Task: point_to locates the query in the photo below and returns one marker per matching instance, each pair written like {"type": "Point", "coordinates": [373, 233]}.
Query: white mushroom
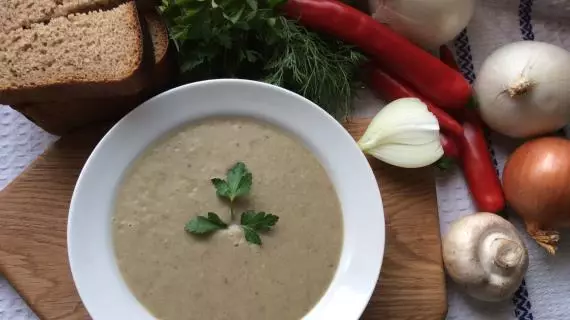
{"type": "Point", "coordinates": [485, 255]}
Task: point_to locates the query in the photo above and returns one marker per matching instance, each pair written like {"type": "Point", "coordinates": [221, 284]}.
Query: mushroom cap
{"type": "Point", "coordinates": [485, 255]}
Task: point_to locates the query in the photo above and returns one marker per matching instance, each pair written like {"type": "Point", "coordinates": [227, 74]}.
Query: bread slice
{"type": "Point", "coordinates": [65, 116]}
{"type": "Point", "coordinates": [15, 14]}
{"type": "Point", "coordinates": [148, 5]}
{"type": "Point", "coordinates": [164, 65]}
{"type": "Point", "coordinates": [83, 55]}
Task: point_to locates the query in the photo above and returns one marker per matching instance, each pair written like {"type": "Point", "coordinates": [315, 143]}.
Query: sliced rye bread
{"type": "Point", "coordinates": [65, 116]}
{"type": "Point", "coordinates": [165, 68]}
{"type": "Point", "coordinates": [15, 14]}
{"type": "Point", "coordinates": [85, 55]}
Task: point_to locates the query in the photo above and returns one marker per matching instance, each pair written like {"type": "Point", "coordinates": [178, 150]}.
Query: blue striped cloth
{"type": "Point", "coordinates": [545, 293]}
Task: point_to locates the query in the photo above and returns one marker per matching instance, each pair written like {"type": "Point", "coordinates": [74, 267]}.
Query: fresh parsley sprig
{"type": "Point", "coordinates": [205, 225]}
{"type": "Point", "coordinates": [252, 40]}
{"type": "Point", "coordinates": [253, 222]}
{"type": "Point", "coordinates": [237, 184]}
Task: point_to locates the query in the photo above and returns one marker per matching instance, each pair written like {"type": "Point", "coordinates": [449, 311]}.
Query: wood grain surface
{"type": "Point", "coordinates": [412, 281]}
{"type": "Point", "coordinates": [33, 216]}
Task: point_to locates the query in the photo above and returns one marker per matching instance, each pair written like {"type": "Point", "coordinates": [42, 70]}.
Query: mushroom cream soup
{"type": "Point", "coordinates": [177, 275]}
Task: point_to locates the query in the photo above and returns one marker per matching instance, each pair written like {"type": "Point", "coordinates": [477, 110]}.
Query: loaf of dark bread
{"type": "Point", "coordinates": [15, 14]}
{"type": "Point", "coordinates": [84, 55]}
{"type": "Point", "coordinates": [60, 117]}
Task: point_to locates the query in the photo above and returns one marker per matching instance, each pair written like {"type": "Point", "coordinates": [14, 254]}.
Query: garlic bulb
{"type": "Point", "coordinates": [404, 134]}
{"type": "Point", "coordinates": [485, 255]}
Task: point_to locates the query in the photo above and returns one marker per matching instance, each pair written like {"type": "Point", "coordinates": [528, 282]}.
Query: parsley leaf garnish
{"type": "Point", "coordinates": [251, 236]}
{"type": "Point", "coordinates": [253, 222]}
{"type": "Point", "coordinates": [259, 221]}
{"type": "Point", "coordinates": [205, 225]}
{"type": "Point", "coordinates": [237, 184]}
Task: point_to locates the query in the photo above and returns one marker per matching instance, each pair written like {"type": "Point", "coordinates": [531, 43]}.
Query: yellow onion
{"type": "Point", "coordinates": [536, 183]}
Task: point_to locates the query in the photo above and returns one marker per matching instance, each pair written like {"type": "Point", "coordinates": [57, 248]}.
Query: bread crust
{"type": "Point", "coordinates": [130, 83]}
{"type": "Point", "coordinates": [61, 117]}
{"type": "Point", "coordinates": [15, 15]}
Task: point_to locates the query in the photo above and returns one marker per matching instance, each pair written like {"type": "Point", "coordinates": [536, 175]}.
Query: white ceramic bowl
{"type": "Point", "coordinates": [89, 241]}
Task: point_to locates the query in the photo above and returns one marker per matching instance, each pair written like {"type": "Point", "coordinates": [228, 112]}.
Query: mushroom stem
{"type": "Point", "coordinates": [485, 255]}
{"type": "Point", "coordinates": [508, 253]}
{"type": "Point", "coordinates": [519, 87]}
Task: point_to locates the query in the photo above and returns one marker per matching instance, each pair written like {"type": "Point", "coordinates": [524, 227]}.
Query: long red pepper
{"type": "Point", "coordinates": [428, 75]}
{"type": "Point", "coordinates": [450, 147]}
{"type": "Point", "coordinates": [478, 169]}
{"type": "Point", "coordinates": [389, 88]}
{"type": "Point", "coordinates": [475, 157]}
{"type": "Point", "coordinates": [446, 56]}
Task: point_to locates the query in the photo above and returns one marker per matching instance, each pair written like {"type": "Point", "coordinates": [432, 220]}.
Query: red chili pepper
{"type": "Point", "coordinates": [389, 88]}
{"type": "Point", "coordinates": [478, 168]}
{"type": "Point", "coordinates": [447, 57]}
{"type": "Point", "coordinates": [433, 79]}
{"type": "Point", "coordinates": [450, 147]}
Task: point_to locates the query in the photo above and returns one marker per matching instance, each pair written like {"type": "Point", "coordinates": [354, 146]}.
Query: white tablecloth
{"type": "Point", "coordinates": [546, 291]}
{"type": "Point", "coordinates": [20, 143]}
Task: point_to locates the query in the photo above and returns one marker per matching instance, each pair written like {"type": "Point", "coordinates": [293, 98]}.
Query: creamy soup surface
{"type": "Point", "coordinates": [179, 276]}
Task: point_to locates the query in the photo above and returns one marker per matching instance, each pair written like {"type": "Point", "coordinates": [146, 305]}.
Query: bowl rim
{"type": "Point", "coordinates": [89, 240]}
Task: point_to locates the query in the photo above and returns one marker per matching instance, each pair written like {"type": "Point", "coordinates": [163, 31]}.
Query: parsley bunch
{"type": "Point", "coordinates": [237, 184]}
{"type": "Point", "coordinates": [250, 39]}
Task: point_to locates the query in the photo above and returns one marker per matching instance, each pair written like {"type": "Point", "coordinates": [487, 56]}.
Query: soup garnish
{"type": "Point", "coordinates": [237, 184]}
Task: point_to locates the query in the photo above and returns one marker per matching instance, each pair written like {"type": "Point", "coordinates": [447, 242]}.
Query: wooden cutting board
{"type": "Point", "coordinates": [33, 218]}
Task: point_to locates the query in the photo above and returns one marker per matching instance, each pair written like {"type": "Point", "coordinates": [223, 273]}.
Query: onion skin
{"type": "Point", "coordinates": [536, 183]}
{"type": "Point", "coordinates": [523, 89]}
{"type": "Point", "coordinates": [427, 23]}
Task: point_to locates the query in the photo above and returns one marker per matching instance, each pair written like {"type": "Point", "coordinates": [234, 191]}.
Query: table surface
{"type": "Point", "coordinates": [495, 23]}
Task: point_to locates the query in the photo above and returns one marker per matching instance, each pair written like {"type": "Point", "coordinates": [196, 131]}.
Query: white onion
{"type": "Point", "coordinates": [427, 23]}
{"type": "Point", "coordinates": [523, 89]}
{"type": "Point", "coordinates": [404, 134]}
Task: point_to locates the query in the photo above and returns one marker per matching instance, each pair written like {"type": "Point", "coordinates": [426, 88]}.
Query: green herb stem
{"type": "Point", "coordinates": [237, 184]}
{"type": "Point", "coordinates": [252, 40]}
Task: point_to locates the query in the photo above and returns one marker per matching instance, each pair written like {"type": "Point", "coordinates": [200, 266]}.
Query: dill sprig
{"type": "Point", "coordinates": [319, 68]}
{"type": "Point", "coordinates": [251, 40]}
